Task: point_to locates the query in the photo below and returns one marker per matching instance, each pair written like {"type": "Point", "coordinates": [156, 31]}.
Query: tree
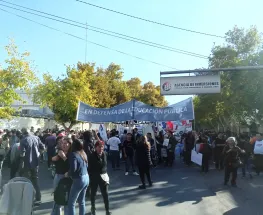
{"type": "Point", "coordinates": [147, 93]}
{"type": "Point", "coordinates": [151, 95]}
{"type": "Point", "coordinates": [62, 95]}
{"type": "Point", "coordinates": [240, 100]}
{"type": "Point", "coordinates": [107, 85]}
{"type": "Point", "coordinates": [18, 75]}
{"type": "Point", "coordinates": [98, 87]}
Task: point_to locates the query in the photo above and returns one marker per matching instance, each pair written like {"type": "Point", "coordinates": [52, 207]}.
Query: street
{"type": "Point", "coordinates": [180, 190]}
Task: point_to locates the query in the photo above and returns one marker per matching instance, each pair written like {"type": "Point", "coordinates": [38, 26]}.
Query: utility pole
{"type": "Point", "coordinates": [86, 44]}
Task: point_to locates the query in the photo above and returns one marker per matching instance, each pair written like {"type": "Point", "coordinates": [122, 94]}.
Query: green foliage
{"type": "Point", "coordinates": [17, 75]}
{"type": "Point", "coordinates": [98, 87]}
{"type": "Point", "coordinates": [240, 101]}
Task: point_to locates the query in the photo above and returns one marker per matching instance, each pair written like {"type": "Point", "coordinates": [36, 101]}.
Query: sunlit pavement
{"type": "Point", "coordinates": [180, 190]}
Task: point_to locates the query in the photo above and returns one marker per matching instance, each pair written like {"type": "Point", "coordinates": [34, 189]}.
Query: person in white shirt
{"type": "Point", "coordinates": [114, 144]}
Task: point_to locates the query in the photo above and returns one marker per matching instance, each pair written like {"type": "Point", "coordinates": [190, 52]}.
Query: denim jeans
{"type": "Point", "coordinates": [78, 193]}
{"type": "Point", "coordinates": [247, 162]}
{"type": "Point", "coordinates": [32, 175]}
{"type": "Point", "coordinates": [57, 208]}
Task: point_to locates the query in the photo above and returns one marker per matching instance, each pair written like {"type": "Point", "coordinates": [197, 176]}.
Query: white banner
{"type": "Point", "coordinates": [196, 157]}
{"type": "Point", "coordinates": [190, 85]}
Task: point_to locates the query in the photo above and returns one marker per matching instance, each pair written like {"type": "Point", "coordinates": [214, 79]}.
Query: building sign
{"type": "Point", "coordinates": [189, 85]}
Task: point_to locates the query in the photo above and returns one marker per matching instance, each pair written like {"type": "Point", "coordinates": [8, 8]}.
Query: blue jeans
{"type": "Point", "coordinates": [57, 208]}
{"type": "Point", "coordinates": [78, 193]}
{"type": "Point", "coordinates": [247, 162]}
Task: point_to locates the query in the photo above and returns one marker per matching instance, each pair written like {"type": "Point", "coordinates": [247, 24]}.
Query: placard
{"type": "Point", "coordinates": [196, 158]}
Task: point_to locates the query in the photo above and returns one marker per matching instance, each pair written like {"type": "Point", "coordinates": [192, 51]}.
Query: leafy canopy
{"type": "Point", "coordinates": [240, 101]}
{"type": "Point", "coordinates": [98, 87]}
{"type": "Point", "coordinates": [16, 75]}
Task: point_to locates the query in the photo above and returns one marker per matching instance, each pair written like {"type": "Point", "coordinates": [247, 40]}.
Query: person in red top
{"type": "Point", "coordinates": [205, 149]}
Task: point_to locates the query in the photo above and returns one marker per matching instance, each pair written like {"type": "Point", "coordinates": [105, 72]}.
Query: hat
{"type": "Point", "coordinates": [99, 143]}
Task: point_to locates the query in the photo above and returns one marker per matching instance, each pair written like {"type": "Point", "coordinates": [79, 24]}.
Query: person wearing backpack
{"type": "Point", "coordinates": [61, 162]}
{"type": "Point", "coordinates": [78, 171]}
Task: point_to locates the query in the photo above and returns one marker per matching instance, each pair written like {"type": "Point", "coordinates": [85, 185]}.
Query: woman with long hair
{"type": "Point", "coordinates": [78, 171]}
{"type": "Point", "coordinates": [61, 163]}
{"type": "Point", "coordinates": [143, 159]}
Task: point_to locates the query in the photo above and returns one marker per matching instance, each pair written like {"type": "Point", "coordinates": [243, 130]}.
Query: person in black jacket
{"type": "Point", "coordinates": [232, 160]}
{"type": "Point", "coordinates": [188, 147]}
{"type": "Point", "coordinates": [88, 143]}
{"type": "Point", "coordinates": [247, 156]}
{"type": "Point", "coordinates": [205, 150]}
{"type": "Point", "coordinates": [219, 145]}
{"type": "Point", "coordinates": [98, 176]}
{"type": "Point", "coordinates": [143, 158]}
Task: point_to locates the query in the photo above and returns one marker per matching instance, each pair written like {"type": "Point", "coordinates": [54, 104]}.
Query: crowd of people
{"type": "Point", "coordinates": [82, 157]}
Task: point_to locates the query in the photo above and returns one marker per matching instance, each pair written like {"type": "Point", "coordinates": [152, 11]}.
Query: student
{"type": "Point", "coordinates": [128, 152]}
{"type": "Point", "coordinates": [144, 162]}
{"type": "Point", "coordinates": [114, 143]}
{"type": "Point", "coordinates": [232, 160]}
{"type": "Point", "coordinates": [79, 173]}
{"type": "Point", "coordinates": [15, 157]}
{"type": "Point", "coordinates": [98, 176]}
{"type": "Point", "coordinates": [205, 149]}
{"type": "Point", "coordinates": [61, 162]}
{"type": "Point", "coordinates": [171, 148]}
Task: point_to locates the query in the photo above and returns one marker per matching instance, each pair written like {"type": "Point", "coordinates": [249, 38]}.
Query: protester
{"type": "Point", "coordinates": [232, 160]}
{"type": "Point", "coordinates": [159, 144]}
{"type": "Point", "coordinates": [247, 156]}
{"type": "Point", "coordinates": [258, 154]}
{"type": "Point", "coordinates": [78, 172]}
{"type": "Point", "coordinates": [128, 152]}
{"type": "Point", "coordinates": [114, 143]}
{"type": "Point", "coordinates": [144, 162]}
{"type": "Point", "coordinates": [50, 144]}
{"type": "Point", "coordinates": [188, 147]}
{"type": "Point", "coordinates": [124, 136]}
{"type": "Point", "coordinates": [14, 138]}
{"type": "Point", "coordinates": [15, 156]}
{"type": "Point", "coordinates": [98, 176]}
{"type": "Point", "coordinates": [30, 149]}
{"type": "Point", "coordinates": [61, 161]}
{"type": "Point", "coordinates": [136, 135]}
{"type": "Point", "coordinates": [88, 143]}
{"type": "Point", "coordinates": [171, 148]}
{"type": "Point", "coordinates": [205, 149]}
{"type": "Point", "coordinates": [219, 144]}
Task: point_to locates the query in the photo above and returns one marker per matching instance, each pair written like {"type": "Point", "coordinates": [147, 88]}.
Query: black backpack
{"type": "Point", "coordinates": [62, 191]}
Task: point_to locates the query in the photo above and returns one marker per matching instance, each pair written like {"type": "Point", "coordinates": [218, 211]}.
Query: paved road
{"type": "Point", "coordinates": [180, 190]}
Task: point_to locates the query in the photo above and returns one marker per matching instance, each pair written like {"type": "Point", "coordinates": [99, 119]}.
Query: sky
{"type": "Point", "coordinates": [51, 50]}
